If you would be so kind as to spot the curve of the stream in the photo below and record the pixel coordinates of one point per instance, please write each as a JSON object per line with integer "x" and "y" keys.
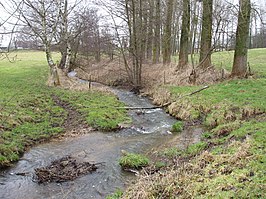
{"x": 149, "y": 129}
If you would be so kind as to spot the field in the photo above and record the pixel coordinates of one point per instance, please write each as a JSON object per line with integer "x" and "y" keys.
{"x": 29, "y": 113}
{"x": 224, "y": 59}
{"x": 256, "y": 60}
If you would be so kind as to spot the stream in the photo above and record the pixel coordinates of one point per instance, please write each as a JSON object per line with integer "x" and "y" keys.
{"x": 149, "y": 129}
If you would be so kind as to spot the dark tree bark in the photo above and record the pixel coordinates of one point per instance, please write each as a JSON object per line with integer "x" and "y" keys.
{"x": 149, "y": 36}
{"x": 168, "y": 32}
{"x": 157, "y": 35}
{"x": 242, "y": 34}
{"x": 183, "y": 53}
{"x": 206, "y": 35}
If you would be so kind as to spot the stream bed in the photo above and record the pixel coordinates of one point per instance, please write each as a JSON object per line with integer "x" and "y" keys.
{"x": 149, "y": 129}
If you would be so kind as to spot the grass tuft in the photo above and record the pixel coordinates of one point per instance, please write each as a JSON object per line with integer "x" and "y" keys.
{"x": 133, "y": 161}
{"x": 177, "y": 127}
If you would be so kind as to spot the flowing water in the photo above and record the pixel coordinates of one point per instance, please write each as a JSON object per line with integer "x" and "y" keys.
{"x": 149, "y": 129}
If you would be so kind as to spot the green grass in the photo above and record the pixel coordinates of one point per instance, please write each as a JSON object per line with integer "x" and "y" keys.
{"x": 133, "y": 161}
{"x": 29, "y": 115}
{"x": 96, "y": 107}
{"x": 224, "y": 59}
{"x": 223, "y": 102}
{"x": 230, "y": 160}
{"x": 234, "y": 111}
{"x": 118, "y": 194}
{"x": 256, "y": 60}
{"x": 237, "y": 166}
{"x": 177, "y": 127}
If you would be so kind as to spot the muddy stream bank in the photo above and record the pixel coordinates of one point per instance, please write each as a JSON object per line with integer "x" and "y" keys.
{"x": 148, "y": 130}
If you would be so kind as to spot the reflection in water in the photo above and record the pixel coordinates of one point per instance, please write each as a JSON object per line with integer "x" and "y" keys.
{"x": 148, "y": 129}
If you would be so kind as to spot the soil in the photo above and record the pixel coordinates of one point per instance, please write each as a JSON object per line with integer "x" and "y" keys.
{"x": 75, "y": 123}
{"x": 64, "y": 169}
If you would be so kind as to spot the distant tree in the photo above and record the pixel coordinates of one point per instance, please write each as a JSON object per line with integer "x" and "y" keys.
{"x": 195, "y": 29}
{"x": 242, "y": 37}
{"x": 206, "y": 35}
{"x": 89, "y": 39}
{"x": 26, "y": 39}
{"x": 185, "y": 30}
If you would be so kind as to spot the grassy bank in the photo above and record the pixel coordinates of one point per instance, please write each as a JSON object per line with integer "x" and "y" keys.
{"x": 229, "y": 161}
{"x": 28, "y": 113}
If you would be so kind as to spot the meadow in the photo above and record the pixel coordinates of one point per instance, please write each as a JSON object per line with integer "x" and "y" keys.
{"x": 28, "y": 112}
{"x": 224, "y": 60}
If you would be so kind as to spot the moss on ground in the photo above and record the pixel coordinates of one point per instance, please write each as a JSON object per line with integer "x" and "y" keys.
{"x": 28, "y": 113}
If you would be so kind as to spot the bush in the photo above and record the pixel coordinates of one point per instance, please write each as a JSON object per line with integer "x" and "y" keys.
{"x": 133, "y": 161}
{"x": 177, "y": 127}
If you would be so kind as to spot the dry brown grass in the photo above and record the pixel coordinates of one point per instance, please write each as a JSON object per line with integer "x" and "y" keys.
{"x": 185, "y": 180}
{"x": 114, "y": 73}
{"x": 159, "y": 74}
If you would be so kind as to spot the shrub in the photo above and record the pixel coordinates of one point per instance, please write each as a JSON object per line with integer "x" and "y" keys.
{"x": 133, "y": 161}
{"x": 177, "y": 127}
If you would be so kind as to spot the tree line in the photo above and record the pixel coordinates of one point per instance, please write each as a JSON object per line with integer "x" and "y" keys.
{"x": 141, "y": 31}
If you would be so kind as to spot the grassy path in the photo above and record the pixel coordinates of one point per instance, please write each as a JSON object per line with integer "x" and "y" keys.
{"x": 29, "y": 113}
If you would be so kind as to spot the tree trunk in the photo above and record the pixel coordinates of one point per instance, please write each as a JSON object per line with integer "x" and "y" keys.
{"x": 137, "y": 39}
{"x": 206, "y": 34}
{"x": 242, "y": 34}
{"x": 68, "y": 57}
{"x": 54, "y": 77}
{"x": 157, "y": 33}
{"x": 65, "y": 38}
{"x": 194, "y": 28}
{"x": 168, "y": 33}
{"x": 183, "y": 53}
{"x": 149, "y": 37}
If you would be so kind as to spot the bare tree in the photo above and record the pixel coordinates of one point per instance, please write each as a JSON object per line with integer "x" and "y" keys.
{"x": 134, "y": 11}
{"x": 42, "y": 17}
